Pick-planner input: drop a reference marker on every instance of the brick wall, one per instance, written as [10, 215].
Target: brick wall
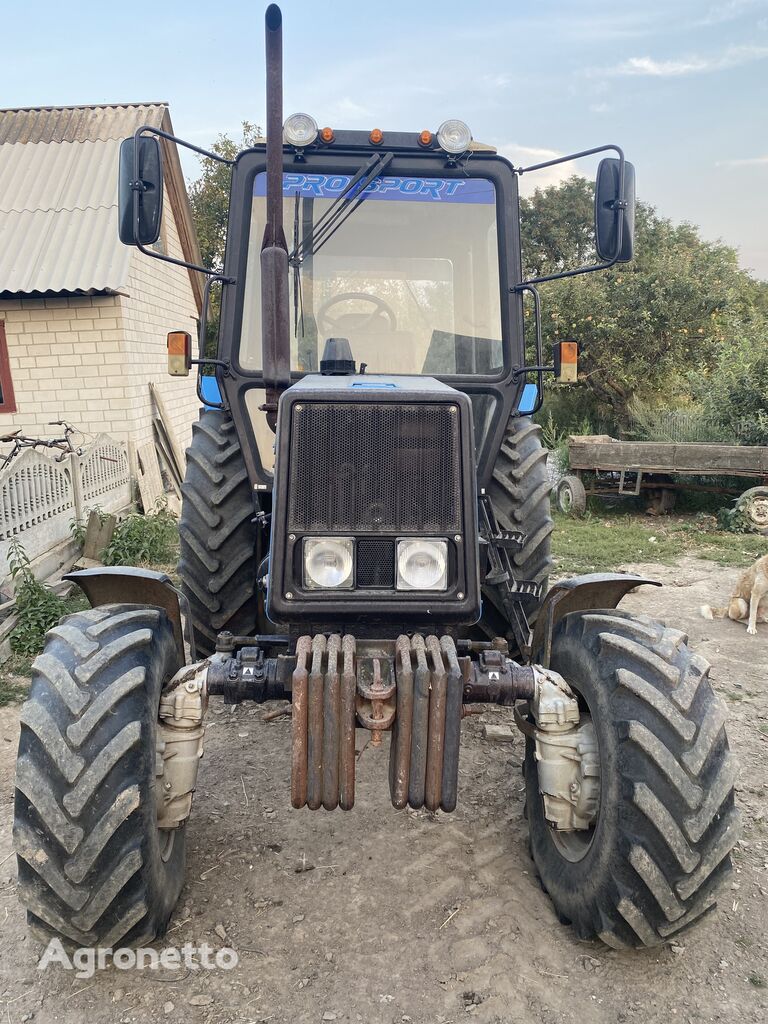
[89, 360]
[62, 354]
[158, 299]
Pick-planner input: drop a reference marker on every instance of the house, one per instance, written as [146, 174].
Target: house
[83, 318]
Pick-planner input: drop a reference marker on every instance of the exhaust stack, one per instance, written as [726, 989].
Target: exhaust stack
[275, 311]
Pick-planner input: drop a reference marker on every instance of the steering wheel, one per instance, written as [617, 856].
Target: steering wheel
[328, 325]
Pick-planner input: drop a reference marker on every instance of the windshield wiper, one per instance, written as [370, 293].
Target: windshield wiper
[343, 206]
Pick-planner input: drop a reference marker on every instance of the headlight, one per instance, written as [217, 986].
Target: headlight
[300, 130]
[328, 563]
[454, 136]
[422, 564]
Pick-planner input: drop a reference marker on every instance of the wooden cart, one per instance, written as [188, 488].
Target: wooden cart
[630, 468]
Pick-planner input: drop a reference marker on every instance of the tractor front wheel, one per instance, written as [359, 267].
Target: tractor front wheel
[659, 843]
[219, 540]
[94, 868]
[519, 492]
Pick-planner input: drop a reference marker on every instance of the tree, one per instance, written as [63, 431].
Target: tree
[209, 200]
[645, 325]
[209, 195]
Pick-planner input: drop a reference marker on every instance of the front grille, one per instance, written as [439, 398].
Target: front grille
[375, 468]
[376, 563]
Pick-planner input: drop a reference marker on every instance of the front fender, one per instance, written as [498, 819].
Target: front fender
[581, 593]
[119, 584]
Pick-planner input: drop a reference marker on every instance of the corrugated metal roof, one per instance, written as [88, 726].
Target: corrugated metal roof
[53, 251]
[64, 176]
[77, 124]
[58, 197]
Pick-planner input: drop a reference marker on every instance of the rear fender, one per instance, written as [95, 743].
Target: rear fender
[581, 593]
[118, 584]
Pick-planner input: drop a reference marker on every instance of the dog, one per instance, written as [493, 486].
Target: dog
[748, 601]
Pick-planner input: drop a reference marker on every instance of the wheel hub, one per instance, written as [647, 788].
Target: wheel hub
[757, 511]
[568, 763]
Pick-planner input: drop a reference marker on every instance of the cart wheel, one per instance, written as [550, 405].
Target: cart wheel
[754, 505]
[571, 496]
[662, 499]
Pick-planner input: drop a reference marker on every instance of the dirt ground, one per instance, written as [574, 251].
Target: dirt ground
[401, 917]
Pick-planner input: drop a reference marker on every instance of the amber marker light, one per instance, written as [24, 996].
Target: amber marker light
[326, 134]
[566, 361]
[179, 353]
[425, 138]
[376, 137]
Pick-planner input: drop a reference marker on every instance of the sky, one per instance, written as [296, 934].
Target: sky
[681, 85]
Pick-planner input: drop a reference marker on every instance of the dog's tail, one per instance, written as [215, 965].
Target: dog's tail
[708, 612]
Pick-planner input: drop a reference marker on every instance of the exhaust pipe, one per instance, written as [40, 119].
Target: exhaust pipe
[275, 310]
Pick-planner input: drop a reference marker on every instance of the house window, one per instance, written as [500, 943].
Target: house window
[7, 399]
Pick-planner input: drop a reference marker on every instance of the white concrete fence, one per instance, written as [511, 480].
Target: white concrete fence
[40, 497]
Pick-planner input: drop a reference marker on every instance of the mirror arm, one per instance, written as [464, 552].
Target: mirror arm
[137, 185]
[617, 207]
[538, 369]
[201, 338]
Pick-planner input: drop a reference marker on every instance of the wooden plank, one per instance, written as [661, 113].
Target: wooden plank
[176, 450]
[151, 487]
[98, 534]
[661, 457]
[163, 447]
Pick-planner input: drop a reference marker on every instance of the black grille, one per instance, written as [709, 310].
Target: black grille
[375, 468]
[376, 563]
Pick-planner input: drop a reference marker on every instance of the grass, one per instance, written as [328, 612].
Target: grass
[602, 542]
[14, 679]
[15, 672]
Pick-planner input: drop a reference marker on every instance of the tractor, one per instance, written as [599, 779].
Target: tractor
[365, 531]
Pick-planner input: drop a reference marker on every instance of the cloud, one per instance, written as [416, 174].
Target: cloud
[497, 81]
[749, 161]
[345, 110]
[527, 156]
[599, 108]
[733, 57]
[729, 11]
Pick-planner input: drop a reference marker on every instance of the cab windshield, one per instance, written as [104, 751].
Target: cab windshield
[410, 277]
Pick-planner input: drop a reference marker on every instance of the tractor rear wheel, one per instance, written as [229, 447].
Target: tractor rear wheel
[94, 868]
[220, 543]
[519, 492]
[660, 844]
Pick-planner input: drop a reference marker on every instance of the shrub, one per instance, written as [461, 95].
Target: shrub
[144, 539]
[736, 392]
[37, 606]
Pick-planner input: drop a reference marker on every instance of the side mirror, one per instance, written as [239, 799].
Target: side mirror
[141, 174]
[614, 211]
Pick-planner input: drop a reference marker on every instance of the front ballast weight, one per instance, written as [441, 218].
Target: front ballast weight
[417, 688]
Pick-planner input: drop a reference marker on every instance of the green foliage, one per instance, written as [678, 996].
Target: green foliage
[78, 529]
[11, 692]
[209, 200]
[645, 327]
[557, 227]
[735, 393]
[555, 440]
[733, 520]
[144, 539]
[37, 606]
